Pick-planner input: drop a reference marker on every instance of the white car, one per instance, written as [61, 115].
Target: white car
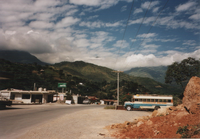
[86, 101]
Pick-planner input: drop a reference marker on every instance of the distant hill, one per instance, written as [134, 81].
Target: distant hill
[97, 73]
[82, 70]
[89, 71]
[156, 73]
[20, 57]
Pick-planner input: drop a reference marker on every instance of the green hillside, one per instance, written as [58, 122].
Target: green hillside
[156, 73]
[97, 74]
[90, 71]
[96, 80]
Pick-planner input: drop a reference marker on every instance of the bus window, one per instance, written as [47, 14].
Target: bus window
[160, 100]
[148, 100]
[156, 100]
[164, 100]
[144, 100]
[152, 100]
[140, 100]
[169, 100]
[136, 99]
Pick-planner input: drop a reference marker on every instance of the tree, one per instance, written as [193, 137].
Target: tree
[181, 72]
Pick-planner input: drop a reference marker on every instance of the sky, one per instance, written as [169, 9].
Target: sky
[118, 34]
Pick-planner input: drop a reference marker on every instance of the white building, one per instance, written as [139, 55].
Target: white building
[40, 96]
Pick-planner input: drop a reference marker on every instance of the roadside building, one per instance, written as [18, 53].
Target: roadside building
[23, 96]
[108, 102]
[59, 97]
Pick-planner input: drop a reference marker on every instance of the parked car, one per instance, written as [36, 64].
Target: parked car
[86, 101]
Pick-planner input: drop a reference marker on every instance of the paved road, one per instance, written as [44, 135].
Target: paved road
[20, 118]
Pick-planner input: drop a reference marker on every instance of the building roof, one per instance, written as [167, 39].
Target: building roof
[29, 92]
[92, 97]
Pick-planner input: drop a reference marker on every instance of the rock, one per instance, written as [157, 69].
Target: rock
[191, 99]
[180, 107]
[134, 121]
[139, 123]
[163, 111]
[149, 122]
[154, 113]
[181, 114]
[173, 108]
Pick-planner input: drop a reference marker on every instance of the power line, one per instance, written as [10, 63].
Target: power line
[138, 28]
[142, 21]
[149, 29]
[125, 28]
[152, 24]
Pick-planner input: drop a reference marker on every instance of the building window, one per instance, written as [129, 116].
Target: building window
[25, 96]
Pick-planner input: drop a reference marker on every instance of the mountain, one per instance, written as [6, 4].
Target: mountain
[20, 57]
[78, 71]
[156, 73]
[98, 74]
[89, 71]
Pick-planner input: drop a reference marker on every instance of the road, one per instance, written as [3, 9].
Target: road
[20, 118]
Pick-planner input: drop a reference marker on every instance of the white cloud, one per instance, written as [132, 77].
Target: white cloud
[121, 44]
[156, 9]
[195, 17]
[45, 29]
[92, 17]
[102, 4]
[115, 24]
[149, 35]
[86, 2]
[151, 46]
[66, 22]
[146, 4]
[185, 7]
[140, 60]
[124, 8]
[41, 24]
[137, 21]
[99, 24]
[138, 10]
[95, 24]
[32, 42]
[189, 42]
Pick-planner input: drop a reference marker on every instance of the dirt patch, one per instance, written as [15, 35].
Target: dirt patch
[182, 121]
[158, 127]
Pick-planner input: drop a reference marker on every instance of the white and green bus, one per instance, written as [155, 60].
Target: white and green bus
[148, 101]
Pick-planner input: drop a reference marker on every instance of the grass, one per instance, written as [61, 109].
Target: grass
[109, 107]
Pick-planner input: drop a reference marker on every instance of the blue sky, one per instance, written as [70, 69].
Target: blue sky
[92, 31]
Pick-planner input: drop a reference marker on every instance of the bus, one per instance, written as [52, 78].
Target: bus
[149, 101]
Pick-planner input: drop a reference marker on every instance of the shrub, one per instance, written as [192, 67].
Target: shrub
[183, 131]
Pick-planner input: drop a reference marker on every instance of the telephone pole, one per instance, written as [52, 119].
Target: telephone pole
[117, 85]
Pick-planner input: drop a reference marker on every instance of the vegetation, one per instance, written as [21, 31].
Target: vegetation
[81, 78]
[155, 73]
[188, 131]
[183, 71]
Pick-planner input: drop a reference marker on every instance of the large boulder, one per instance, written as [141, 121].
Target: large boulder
[191, 99]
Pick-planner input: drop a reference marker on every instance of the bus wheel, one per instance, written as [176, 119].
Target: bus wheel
[128, 108]
[156, 107]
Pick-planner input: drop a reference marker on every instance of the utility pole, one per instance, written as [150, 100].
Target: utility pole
[117, 85]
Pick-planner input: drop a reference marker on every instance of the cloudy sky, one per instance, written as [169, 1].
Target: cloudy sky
[119, 34]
